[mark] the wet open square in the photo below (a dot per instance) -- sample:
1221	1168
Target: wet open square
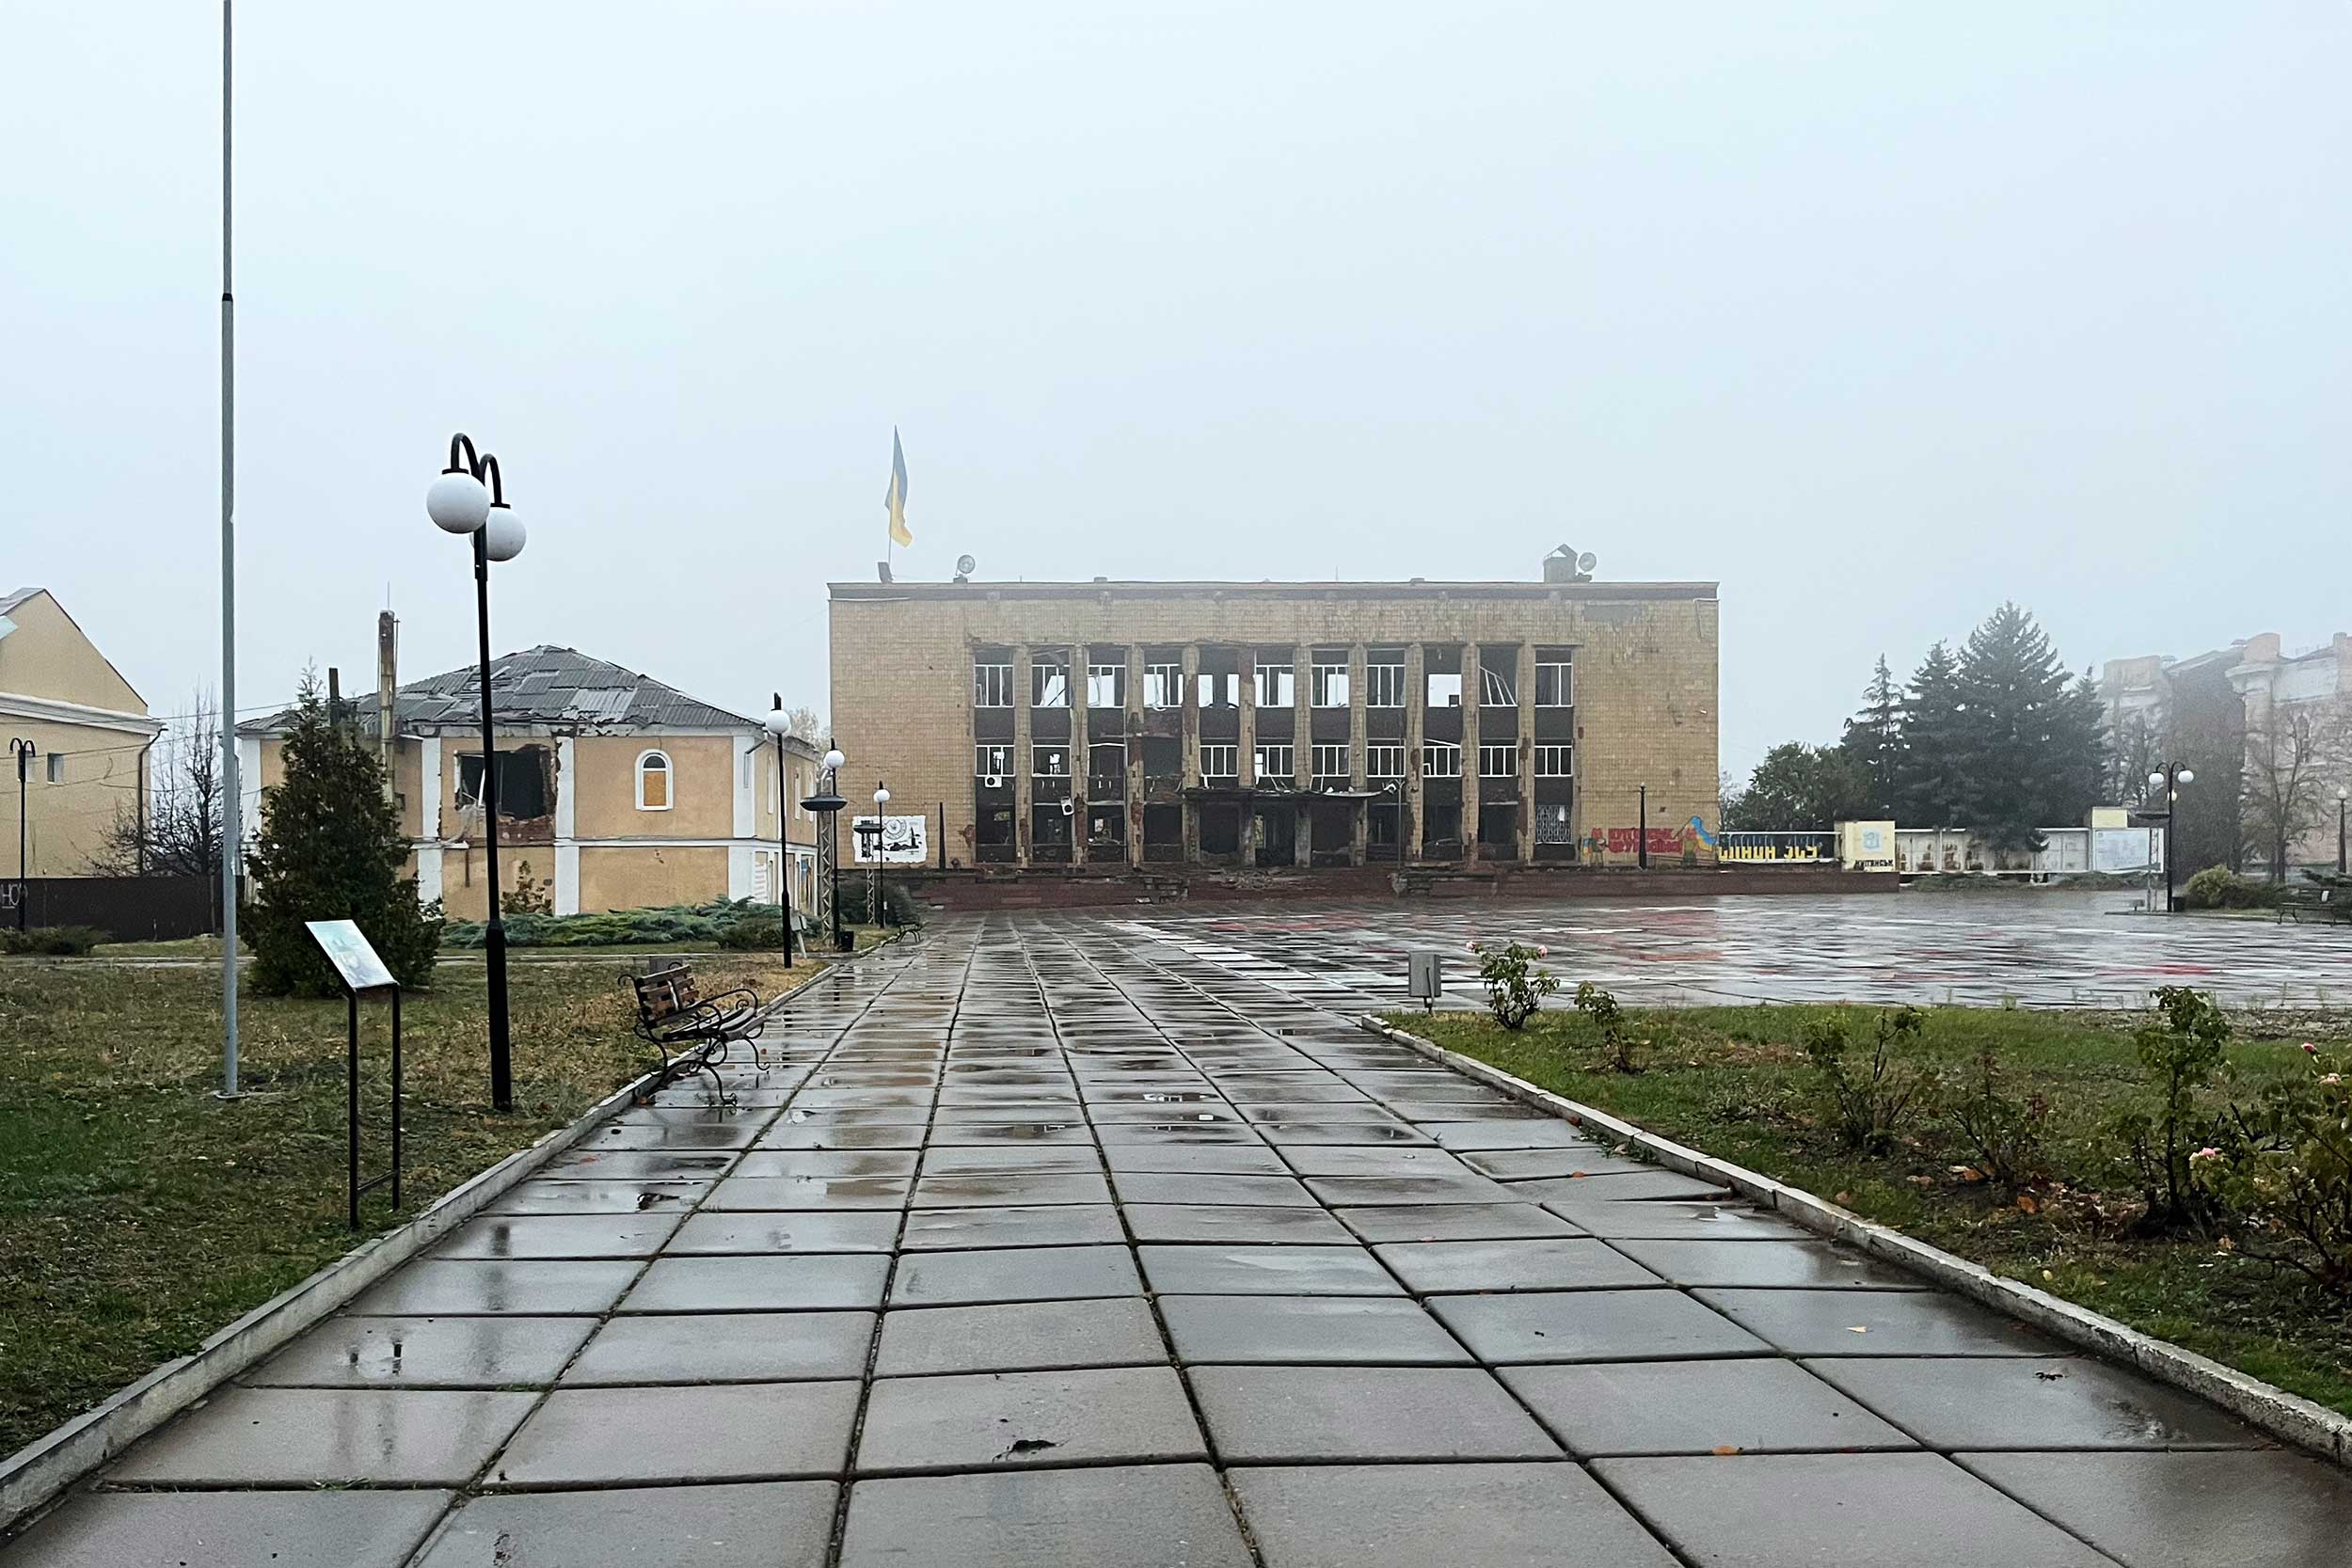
1109	1239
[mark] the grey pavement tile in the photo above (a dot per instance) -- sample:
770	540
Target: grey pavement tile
1228	1158
2274	1510
1836	1510
821	1135
1536	1263
1015	1274
1044	1113
738	1347
781	1282
435	1287
1621	1187
809	1192
2019	1402
1507	1132
1062	1225
1591	1325
425	1353
764	1525
1757	1406
621	1165
1176	1133
1333	1414
1365	1133
1323	1111
1358	1160
1692	1222
1122	1414
542	1196
1527	1515
827	1162
1006	1192
1118	1516
797	1230
1355	1192
703	1132
966	1135
313	1436
1197	1222
1209	1110
1002	1159
230	1530
717	1432
1032	1336
835	1117
1176	1187
1300	1330
1527	1164
638	1235
1211	1270
1876	1322
1457	1222
1812	1264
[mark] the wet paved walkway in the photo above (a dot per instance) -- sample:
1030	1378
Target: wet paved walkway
1051	1242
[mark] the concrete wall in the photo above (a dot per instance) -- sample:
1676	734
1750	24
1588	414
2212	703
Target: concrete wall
645	876
58	691
48	655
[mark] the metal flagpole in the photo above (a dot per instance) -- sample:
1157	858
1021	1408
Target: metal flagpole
231	801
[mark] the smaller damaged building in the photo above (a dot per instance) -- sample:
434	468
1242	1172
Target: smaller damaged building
614	791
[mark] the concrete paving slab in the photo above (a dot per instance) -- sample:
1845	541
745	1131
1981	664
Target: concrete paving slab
598	1165
1116	1414
2020	1403
1876	1322
1009	1192
744	1347
1437	1187
322	1436
1200	1222
432	1288
1284	1271
1230	1159
1527	1515
1125	1516
638	1235
1837	1510
1522	1131
827	1162
810	1192
781	1283
947	1133
2186	1510
1015	1274
1814	1264
1759	1405
807	1231
1036	1335
1529	1165
1540	1263
1459	1222
1694	1222
1245	1191
820	1135
771	1525
1619	1187
1001	1160
963	1229
1336	1415
1363	1133
726	1431
1591	1325
1355	1160
542	1196
425	1353
1299	1330
230	1530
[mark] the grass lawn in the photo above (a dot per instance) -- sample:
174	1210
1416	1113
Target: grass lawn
1734	1082
138	1214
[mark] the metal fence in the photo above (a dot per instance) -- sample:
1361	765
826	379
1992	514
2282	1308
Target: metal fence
128	909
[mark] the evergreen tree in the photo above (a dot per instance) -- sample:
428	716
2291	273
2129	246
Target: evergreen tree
1874	742
2030	753
1927	768
1799	788
330	848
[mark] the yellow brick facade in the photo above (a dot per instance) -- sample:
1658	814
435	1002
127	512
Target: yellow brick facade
91	735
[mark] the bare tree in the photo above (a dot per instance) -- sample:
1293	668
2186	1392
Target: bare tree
2293	755
807	726
2137	749
177	833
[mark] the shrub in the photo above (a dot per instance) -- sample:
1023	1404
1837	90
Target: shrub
2181	1050
1608	1018
1514	987
1867	1105
52	941
2283	1167
898	906
2005	1133
753	933
2217	887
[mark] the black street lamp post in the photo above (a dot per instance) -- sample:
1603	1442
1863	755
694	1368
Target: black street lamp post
827	803
24	751
458	503
2342	797
1641	842
2169	779
780	725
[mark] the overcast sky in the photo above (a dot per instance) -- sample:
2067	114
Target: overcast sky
1875	313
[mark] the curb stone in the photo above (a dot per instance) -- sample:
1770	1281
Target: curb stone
2287	1416
42	1470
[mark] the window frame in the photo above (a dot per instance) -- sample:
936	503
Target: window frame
991	676
1429	684
1269	676
667	768
1563	754
1321	752
1117	676
1372	760
1383	673
1322	678
53	768
1496	688
1169	680
1046	748
980	755
1433	749
1044	673
1229	750
1508	751
1265	750
1565	671
1210	681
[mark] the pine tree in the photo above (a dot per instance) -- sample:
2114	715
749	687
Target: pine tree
2031	751
330	848
1874	742
1928	767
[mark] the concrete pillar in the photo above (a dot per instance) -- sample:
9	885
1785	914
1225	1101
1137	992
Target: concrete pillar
1303	750
1526	683
1360	825
1192	752
1135	753
1080	757
1246	750
1416	731
1020	755
1474	693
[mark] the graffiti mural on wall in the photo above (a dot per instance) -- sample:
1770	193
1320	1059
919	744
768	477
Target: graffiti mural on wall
1662	840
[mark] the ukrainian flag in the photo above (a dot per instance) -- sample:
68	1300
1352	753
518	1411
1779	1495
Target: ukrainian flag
895	499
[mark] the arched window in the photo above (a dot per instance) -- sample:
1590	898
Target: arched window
653	781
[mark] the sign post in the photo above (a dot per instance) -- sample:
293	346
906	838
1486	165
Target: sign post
362	974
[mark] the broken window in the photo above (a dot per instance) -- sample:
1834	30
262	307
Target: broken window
1330	688
1049	762
522	781
1384	682
1495	689
1106	686
1163	686
1163	756
1276	763
1274	686
1445	688
1219	688
991	762
1049	683
1441	759
1106	764
992	686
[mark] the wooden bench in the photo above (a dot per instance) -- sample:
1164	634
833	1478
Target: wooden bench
695	1032
2322	902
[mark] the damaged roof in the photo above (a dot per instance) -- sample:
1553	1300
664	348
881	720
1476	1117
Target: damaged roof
557	688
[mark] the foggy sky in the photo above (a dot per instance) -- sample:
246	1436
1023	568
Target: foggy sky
1877	314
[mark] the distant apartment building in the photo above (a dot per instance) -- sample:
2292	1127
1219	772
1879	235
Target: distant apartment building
614	791
89	734
1283	723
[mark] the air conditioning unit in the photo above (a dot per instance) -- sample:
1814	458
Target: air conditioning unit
994	781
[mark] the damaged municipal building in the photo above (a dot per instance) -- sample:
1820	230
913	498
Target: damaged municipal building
1105	724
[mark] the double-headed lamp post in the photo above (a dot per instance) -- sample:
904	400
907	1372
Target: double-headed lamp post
459	502
2169	779
779	725
2343	797
827	803
26	751
873	883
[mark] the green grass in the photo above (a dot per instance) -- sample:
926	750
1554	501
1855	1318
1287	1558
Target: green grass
138	1214
1734	1083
